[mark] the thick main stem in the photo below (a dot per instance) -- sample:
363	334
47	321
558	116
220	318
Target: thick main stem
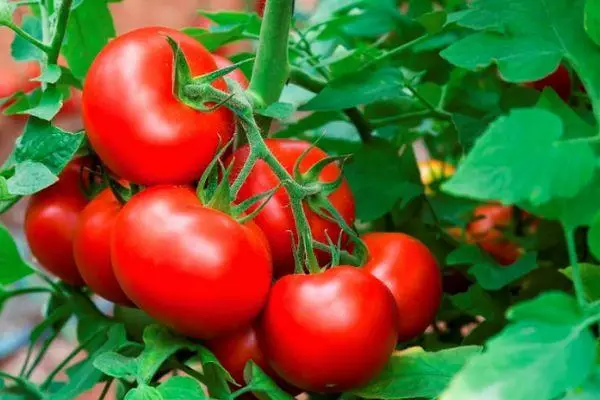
271	67
59	32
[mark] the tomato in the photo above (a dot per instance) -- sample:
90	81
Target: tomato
190	267
559	81
237	75
260	7
411	273
91	247
486	231
276	219
331	331
138	127
50	223
235	350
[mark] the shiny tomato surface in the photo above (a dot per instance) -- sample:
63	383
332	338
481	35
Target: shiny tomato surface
411	273
329	332
133	119
190	267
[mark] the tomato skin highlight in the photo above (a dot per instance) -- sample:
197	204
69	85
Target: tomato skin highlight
91	247
141	131
276	219
411	273
193	268
50	222
331	331
237	74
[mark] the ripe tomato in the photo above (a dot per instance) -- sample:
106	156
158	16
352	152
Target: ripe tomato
331	331
50	223
237	75
486	231
91	247
136	124
276	219
260	7
190	267
411	273
559	80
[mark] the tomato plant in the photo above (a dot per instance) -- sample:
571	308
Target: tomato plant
367	199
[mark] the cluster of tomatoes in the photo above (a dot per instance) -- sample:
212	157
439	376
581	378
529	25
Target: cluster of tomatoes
199	270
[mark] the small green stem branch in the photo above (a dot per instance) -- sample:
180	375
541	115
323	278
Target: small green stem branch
271	67
25	384
40	45
577	280
59	32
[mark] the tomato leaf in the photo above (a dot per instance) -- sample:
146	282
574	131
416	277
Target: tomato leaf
21	49
593	238
551	354
144	392
590	274
592	20
216	376
487	272
50	73
478	302
380	169
30	177
416	373
278	110
574	125
89	29
6	12
358	89
499	167
48	105
182	388
116	365
13	266
260	382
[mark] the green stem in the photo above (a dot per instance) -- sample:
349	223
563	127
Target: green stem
20	292
577	280
345	257
416	115
59	32
243	174
42	353
271	67
17	29
394	52
190	371
105	389
24	383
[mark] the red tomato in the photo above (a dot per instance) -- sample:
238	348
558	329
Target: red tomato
331	331
190	267
486	231
235	350
134	121
260	7
50	223
410	271
276	219
237	75
559	80
91	247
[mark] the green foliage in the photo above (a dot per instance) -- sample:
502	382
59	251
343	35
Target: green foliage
13	266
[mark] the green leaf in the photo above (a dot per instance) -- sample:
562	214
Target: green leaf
433	21
216	376
358	89
526	38
260	382
50	73
182	388
30	177
46	144
590	390
277	110
160	344
477	302
6	12
592	20
116	365
21	49
85	375
89	29
48	105
590	274
144	392
12	266
411	374
593	238
486	271
499	167
539	357
574	126
311	122
380	169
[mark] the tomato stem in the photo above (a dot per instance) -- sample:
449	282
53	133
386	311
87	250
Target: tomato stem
37	43
577	280
59	32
